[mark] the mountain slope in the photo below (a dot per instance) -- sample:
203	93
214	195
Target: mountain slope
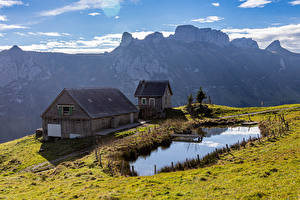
232	73
265	169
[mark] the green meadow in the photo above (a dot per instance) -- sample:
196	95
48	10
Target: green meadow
265	169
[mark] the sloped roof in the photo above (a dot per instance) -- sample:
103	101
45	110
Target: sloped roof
102	102
152	88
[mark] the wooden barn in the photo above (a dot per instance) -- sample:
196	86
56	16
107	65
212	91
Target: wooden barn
84	112
153	98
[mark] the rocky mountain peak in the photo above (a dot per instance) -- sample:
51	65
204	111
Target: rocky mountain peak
126	39
274	46
15	48
155	37
190	33
245	43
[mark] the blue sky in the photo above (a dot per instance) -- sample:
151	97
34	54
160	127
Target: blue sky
95	26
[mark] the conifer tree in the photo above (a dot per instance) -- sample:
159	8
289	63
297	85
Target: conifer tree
200	96
189	103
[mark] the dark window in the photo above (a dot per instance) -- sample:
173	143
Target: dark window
66	110
143	101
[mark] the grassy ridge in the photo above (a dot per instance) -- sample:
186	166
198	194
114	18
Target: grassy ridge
267	170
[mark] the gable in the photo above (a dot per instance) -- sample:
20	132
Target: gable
152	88
65	99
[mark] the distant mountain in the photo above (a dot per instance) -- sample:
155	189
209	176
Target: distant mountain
235	73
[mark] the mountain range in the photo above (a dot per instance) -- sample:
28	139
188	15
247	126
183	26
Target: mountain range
234	73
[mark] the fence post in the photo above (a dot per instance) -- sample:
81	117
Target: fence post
172	164
96	154
198	158
122	168
100	160
154	169
132	170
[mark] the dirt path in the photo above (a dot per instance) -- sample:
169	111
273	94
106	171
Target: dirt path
259	112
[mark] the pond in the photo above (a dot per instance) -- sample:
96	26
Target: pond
179	151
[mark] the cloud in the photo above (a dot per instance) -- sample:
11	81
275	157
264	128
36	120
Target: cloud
9	3
3	18
254	3
294	3
172	25
20	34
50	34
98	44
10	26
94	14
289	35
208	19
110	7
1	34
217	4
117	17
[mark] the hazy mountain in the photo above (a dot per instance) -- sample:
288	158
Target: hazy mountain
235	73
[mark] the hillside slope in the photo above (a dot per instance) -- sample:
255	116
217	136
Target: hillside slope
235	73
265	170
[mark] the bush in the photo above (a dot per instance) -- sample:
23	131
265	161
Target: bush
202	110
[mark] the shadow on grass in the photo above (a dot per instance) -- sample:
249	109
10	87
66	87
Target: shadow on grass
57	151
175	114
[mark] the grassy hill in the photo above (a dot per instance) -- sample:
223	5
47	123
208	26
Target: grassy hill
268	169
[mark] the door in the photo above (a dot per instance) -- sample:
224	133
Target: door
152	102
54	130
131	118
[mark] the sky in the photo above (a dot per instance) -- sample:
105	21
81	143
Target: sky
96	26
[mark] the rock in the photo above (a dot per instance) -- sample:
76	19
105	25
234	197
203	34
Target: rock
154	37
245	43
126	39
189	33
275	47
15	48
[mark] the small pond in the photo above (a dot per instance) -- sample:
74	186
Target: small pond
179	151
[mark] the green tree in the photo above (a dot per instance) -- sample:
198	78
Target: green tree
190	103
200	96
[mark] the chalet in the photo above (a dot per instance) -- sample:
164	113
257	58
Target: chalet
84	112
153	98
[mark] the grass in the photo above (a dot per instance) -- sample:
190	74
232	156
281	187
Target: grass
267	170
27	151
223	111
134	131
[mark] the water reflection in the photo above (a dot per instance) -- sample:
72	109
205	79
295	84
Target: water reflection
179	151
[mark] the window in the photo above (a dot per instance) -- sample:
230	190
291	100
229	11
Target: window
144	101
65	109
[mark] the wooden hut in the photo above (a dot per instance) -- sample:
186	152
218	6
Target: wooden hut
84	112
153	98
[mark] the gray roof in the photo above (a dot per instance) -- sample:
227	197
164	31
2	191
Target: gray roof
102	102
152	88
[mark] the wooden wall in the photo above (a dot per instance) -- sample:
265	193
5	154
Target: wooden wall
112	122
65	99
86	127
158	103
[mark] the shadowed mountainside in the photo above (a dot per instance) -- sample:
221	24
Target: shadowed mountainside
235	73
